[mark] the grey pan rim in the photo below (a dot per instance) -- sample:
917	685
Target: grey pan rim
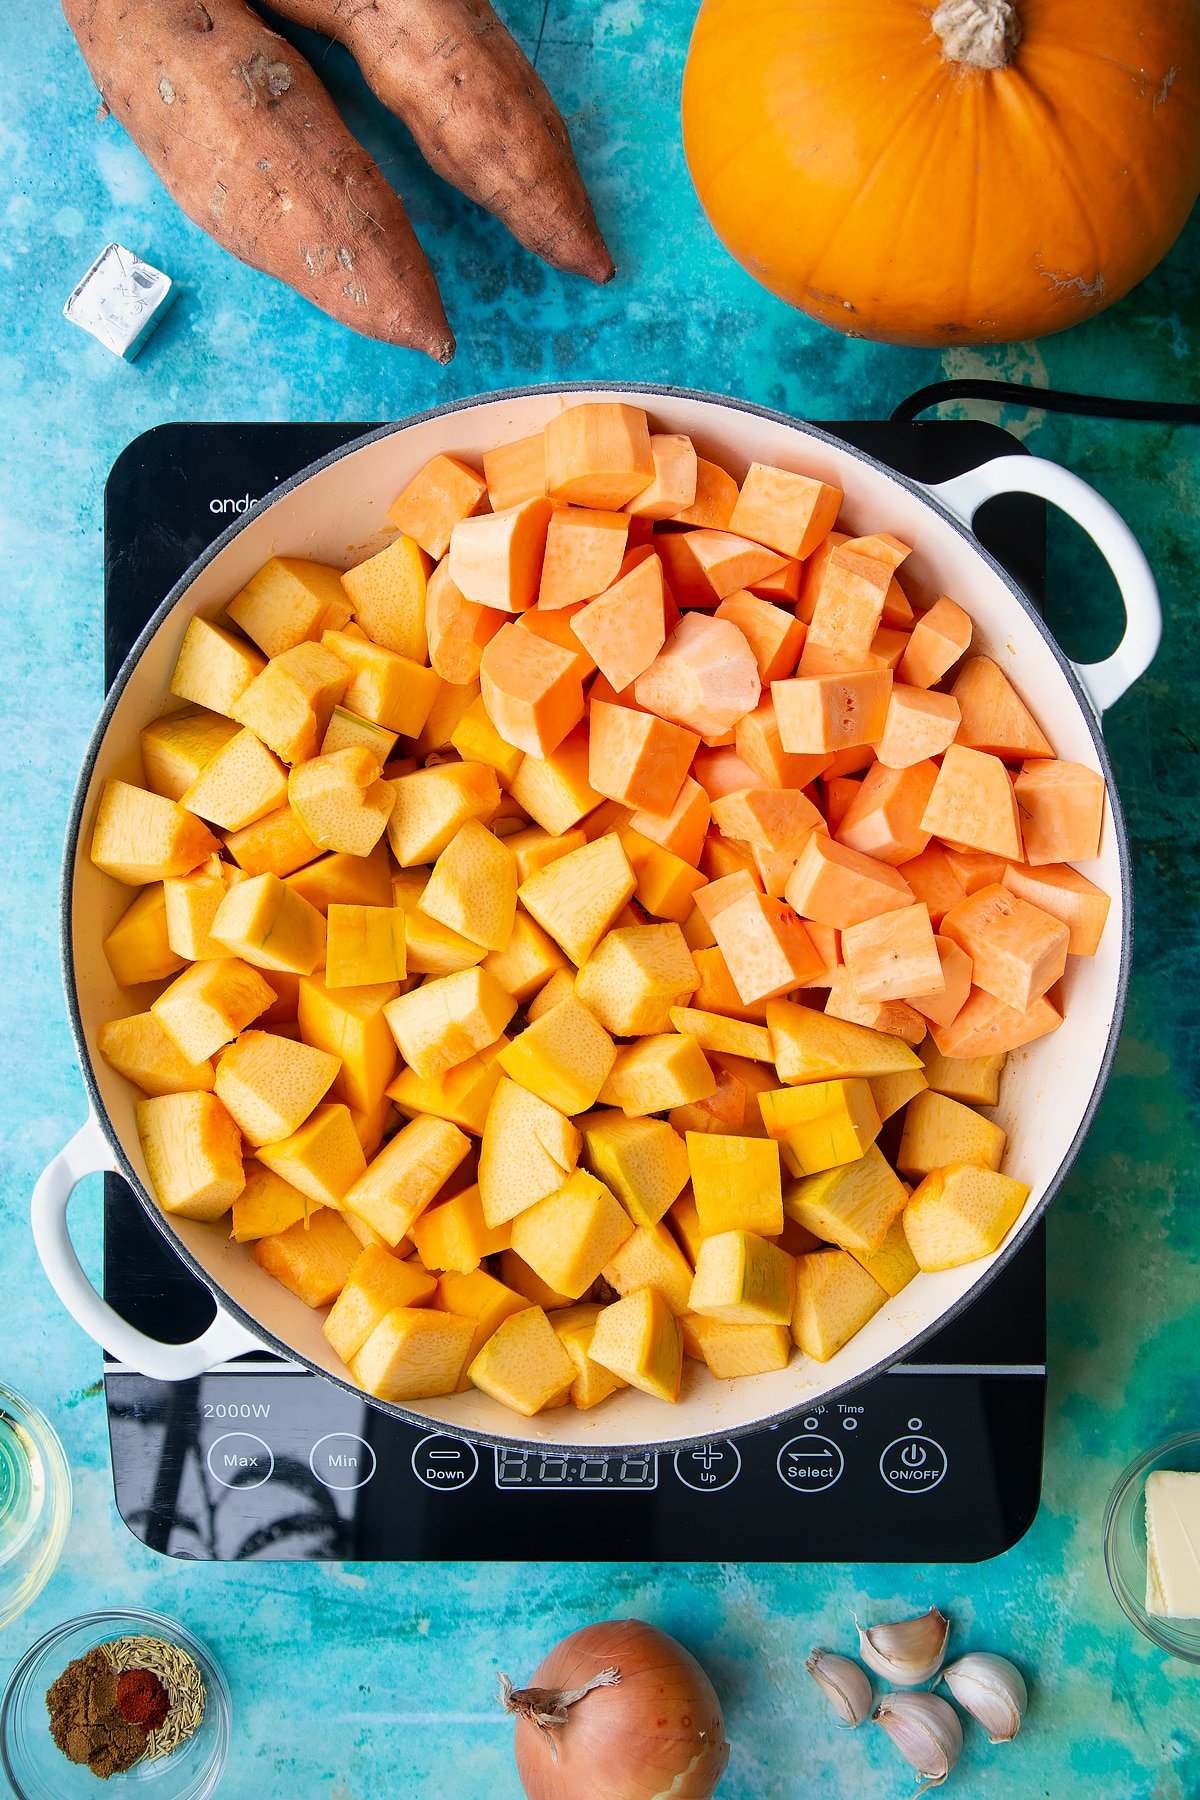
651	391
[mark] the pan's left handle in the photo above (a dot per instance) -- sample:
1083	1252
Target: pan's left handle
1102	682
89	1153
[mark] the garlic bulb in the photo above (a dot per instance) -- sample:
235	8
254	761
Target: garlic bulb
992	1690
925	1730
907	1652
843	1684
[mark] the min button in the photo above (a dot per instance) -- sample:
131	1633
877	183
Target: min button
342	1461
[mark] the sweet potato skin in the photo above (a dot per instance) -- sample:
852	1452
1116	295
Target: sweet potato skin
480	113
250	145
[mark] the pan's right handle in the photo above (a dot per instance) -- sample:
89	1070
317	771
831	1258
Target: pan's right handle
89	1153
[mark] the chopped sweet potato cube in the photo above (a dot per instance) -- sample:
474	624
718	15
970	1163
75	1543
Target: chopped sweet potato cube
716	497
838	886
813	573
893	956
765	946
496	558
636	757
438	496
849	605
832	712
888	647
531	689
934	879
883	818
776	818
705	678
973	805
683	829
723	891
584	550
939	637
775	636
456	628
984	1026
1018	951
789	513
1067	895
895	1018
757	742
839	794
919	725
598	454
555	627
944	1008
673	488
723	772
624	628
1062	811
515	472
666	884
994	717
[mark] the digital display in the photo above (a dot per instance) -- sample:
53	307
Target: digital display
576	1469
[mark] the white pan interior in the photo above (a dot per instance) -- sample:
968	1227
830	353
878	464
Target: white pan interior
336	516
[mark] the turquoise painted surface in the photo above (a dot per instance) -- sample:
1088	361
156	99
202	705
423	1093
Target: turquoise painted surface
351	1683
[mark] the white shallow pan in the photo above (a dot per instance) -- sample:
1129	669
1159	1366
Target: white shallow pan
335	513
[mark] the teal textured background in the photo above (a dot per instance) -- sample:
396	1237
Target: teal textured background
355	1682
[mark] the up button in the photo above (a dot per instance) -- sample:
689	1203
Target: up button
913	1464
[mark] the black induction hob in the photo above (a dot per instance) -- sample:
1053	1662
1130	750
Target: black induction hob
939	1460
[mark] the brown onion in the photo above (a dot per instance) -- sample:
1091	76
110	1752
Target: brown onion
618	1711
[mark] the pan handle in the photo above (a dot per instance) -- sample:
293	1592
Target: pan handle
89	1153
1102	682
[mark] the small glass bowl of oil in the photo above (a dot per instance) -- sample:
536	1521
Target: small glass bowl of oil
35	1503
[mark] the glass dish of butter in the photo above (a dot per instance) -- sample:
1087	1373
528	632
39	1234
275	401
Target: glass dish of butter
1152	1544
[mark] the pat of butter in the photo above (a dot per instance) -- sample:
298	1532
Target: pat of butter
1173	1545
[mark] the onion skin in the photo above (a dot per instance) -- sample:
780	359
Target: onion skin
658	1735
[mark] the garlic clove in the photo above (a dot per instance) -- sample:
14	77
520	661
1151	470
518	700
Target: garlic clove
925	1730
843	1684
907	1652
992	1690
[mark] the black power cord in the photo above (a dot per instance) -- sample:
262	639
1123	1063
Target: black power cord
1014	393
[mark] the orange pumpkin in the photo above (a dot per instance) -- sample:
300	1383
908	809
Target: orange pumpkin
991	170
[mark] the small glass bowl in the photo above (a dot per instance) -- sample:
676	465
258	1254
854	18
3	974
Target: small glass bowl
1125	1553
36	1767
35	1503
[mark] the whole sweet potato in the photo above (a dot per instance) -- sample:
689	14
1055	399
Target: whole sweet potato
479	112
253	149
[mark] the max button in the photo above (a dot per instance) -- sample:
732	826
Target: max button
240	1460
445	1462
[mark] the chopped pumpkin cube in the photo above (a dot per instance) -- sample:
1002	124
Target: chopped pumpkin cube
811	1046
714	1032
269	1084
407	1174
350	1023
527	961
564	1057
376	1285
574	1326
388	593
239	784
938	1130
528	1150
341	800
414	1353
741	1279
454	1235
644	1161
139	1049
961	1212
477	1296
523	1364
577	897
555	791
365	946
730	1351
140	837
973	1080
821	1124
835	1297
736	1183
568	1237
344	880
638	1338
209	1004
650	1257
267	1205
715	992
461	1094
654	1074
432	804
289	705
313	1258
853	1205
193	1154
448	1019
215	667
270	926
893	1265
138	947
323	1158
473	887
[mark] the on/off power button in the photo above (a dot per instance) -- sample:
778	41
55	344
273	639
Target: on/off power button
915	1463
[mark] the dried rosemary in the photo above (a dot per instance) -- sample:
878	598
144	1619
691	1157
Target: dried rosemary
182	1680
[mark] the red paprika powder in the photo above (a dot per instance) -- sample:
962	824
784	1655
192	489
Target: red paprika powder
142	1698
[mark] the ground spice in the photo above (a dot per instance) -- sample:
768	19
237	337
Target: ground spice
142	1698
85	1721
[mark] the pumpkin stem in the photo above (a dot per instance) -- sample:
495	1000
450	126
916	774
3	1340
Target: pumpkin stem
983	34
